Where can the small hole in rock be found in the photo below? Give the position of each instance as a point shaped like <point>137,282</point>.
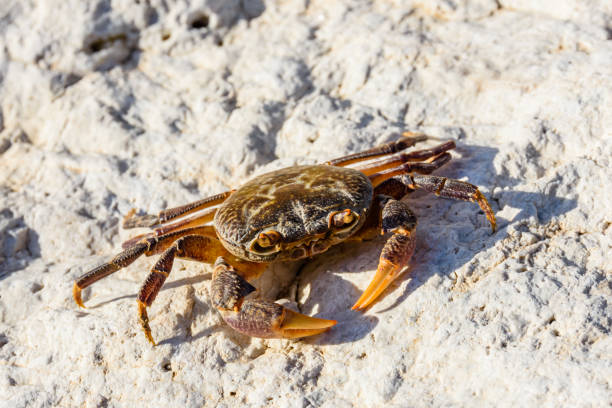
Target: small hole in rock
<point>165,36</point>
<point>36,287</point>
<point>232,393</point>
<point>200,21</point>
<point>166,367</point>
<point>96,46</point>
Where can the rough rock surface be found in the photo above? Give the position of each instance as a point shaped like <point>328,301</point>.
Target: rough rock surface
<point>110,105</point>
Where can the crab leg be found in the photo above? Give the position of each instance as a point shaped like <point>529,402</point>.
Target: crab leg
<point>148,246</point>
<point>190,222</point>
<point>120,261</point>
<point>194,247</point>
<point>440,186</point>
<point>399,219</point>
<point>148,220</point>
<point>409,139</point>
<point>450,188</point>
<point>258,317</point>
<point>417,155</point>
<point>420,167</point>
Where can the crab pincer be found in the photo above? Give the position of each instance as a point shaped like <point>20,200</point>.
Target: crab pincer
<point>398,219</point>
<point>258,317</point>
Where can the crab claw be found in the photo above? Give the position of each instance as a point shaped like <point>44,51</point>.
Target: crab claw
<point>262,318</point>
<point>385,274</point>
<point>395,256</point>
<point>296,325</point>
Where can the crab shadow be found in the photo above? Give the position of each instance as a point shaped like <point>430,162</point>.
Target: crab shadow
<point>192,280</point>
<point>443,246</point>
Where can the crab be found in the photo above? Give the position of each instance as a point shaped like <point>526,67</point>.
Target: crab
<point>290,214</point>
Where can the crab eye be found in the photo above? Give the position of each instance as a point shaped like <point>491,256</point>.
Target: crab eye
<point>268,238</point>
<point>342,219</point>
<point>265,242</point>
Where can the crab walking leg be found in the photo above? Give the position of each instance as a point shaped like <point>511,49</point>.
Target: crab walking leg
<point>149,220</point>
<point>417,155</point>
<point>399,219</point>
<point>120,261</point>
<point>416,175</point>
<point>258,317</point>
<point>148,246</point>
<point>451,188</point>
<point>190,222</point>
<point>409,139</point>
<point>419,167</point>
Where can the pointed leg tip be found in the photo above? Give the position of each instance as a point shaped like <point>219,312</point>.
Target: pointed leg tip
<point>76,294</point>
<point>418,136</point>
<point>144,322</point>
<point>493,222</point>
<point>150,338</point>
<point>147,332</point>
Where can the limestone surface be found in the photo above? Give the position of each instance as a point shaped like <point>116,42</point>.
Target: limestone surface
<point>108,105</point>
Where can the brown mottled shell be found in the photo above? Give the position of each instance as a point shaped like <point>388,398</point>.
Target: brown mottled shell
<point>295,201</point>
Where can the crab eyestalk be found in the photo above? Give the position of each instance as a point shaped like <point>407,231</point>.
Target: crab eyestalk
<point>268,239</point>
<point>265,243</point>
<point>341,219</point>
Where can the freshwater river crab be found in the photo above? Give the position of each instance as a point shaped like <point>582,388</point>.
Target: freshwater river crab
<point>290,214</point>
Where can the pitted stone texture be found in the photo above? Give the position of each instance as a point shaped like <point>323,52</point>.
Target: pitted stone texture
<point>106,106</point>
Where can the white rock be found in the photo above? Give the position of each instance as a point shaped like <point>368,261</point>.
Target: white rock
<point>108,106</point>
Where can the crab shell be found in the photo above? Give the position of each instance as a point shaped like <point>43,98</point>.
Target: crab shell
<point>296,202</point>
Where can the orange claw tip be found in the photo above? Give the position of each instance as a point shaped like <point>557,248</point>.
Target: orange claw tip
<point>298,333</point>
<point>296,325</point>
<point>368,295</point>
<point>294,320</point>
<point>76,294</point>
<point>382,279</point>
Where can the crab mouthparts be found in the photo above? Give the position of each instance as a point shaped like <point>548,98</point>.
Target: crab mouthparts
<point>310,247</point>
